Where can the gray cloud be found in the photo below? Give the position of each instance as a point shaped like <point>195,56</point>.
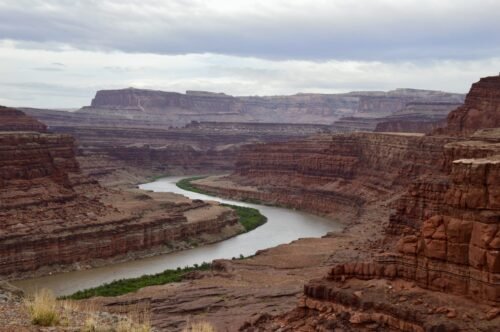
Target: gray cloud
<point>48,69</point>
<point>298,29</point>
<point>85,72</point>
<point>57,53</point>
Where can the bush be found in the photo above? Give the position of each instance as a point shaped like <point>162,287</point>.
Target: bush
<point>43,308</point>
<point>250,218</point>
<point>123,286</point>
<point>200,327</point>
<point>186,185</point>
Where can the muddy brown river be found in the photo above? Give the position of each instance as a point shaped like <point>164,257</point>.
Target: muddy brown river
<point>283,226</point>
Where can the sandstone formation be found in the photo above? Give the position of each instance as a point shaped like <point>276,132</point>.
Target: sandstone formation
<point>53,216</point>
<point>144,132</point>
<point>454,252</point>
<point>198,147</point>
<point>479,111</point>
<point>178,109</point>
<point>443,273</point>
<point>435,196</point>
<point>351,123</point>
<point>138,108</point>
<point>412,117</point>
<point>14,120</point>
<point>329,174</point>
<point>417,117</point>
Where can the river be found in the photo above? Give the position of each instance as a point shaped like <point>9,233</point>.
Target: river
<point>283,226</point>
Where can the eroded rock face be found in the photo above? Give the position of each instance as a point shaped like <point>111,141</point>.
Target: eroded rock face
<point>52,216</point>
<point>417,117</point>
<point>199,147</point>
<point>480,110</point>
<point>456,250</point>
<point>179,109</point>
<point>165,132</point>
<point>447,221</point>
<point>15,120</point>
<point>333,173</point>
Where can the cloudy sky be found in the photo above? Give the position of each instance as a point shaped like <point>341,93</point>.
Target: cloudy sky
<point>58,53</point>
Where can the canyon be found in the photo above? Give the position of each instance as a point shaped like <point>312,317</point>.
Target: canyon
<point>179,109</point>
<point>420,248</point>
<point>55,218</point>
<point>131,132</point>
<point>419,251</point>
<point>446,225</point>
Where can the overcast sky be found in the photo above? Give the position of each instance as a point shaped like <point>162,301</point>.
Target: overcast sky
<point>58,53</point>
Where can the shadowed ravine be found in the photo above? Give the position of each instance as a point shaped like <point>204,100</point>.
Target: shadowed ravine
<point>283,226</point>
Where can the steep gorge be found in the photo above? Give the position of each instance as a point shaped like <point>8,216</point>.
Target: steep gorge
<point>53,217</point>
<point>144,132</point>
<point>442,194</point>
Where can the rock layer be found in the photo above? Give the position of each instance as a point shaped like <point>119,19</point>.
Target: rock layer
<point>328,174</point>
<point>51,215</point>
<point>166,132</point>
<point>448,215</point>
<point>480,110</point>
<point>178,109</point>
<point>14,120</point>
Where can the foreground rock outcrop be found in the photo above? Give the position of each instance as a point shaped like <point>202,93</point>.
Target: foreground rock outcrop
<point>54,217</point>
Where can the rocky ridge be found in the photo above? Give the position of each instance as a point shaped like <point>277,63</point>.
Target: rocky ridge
<point>133,132</point>
<point>54,217</point>
<point>330,174</point>
<point>479,111</point>
<point>445,221</point>
<point>178,109</point>
<point>15,120</point>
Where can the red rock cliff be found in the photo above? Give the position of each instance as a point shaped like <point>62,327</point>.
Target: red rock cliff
<point>51,215</point>
<point>480,110</point>
<point>331,173</point>
<point>15,120</point>
<point>449,213</point>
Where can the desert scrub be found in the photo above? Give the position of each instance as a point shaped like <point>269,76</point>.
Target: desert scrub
<point>186,185</point>
<point>157,177</point>
<point>250,218</point>
<point>124,286</point>
<point>199,327</point>
<point>43,308</point>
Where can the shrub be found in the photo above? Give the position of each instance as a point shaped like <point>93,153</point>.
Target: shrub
<point>200,327</point>
<point>128,325</point>
<point>43,308</point>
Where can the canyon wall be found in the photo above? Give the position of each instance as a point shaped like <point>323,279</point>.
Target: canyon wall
<point>14,120</point>
<point>199,147</point>
<point>145,132</point>
<point>328,174</point>
<point>51,215</point>
<point>161,109</point>
<point>411,117</point>
<point>178,109</point>
<point>480,110</point>
<point>443,191</point>
<point>421,286</point>
<point>418,117</point>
